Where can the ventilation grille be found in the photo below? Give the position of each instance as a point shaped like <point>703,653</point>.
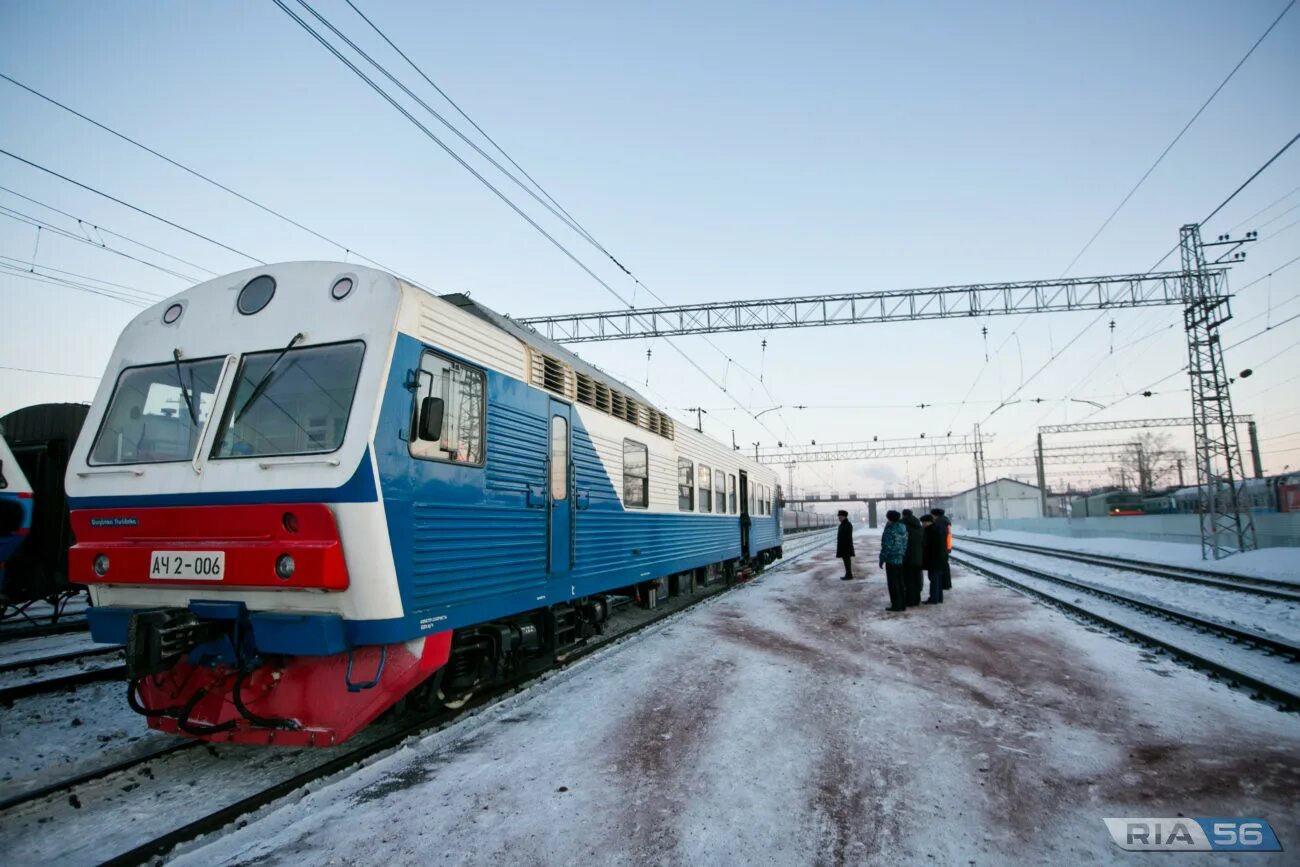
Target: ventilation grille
<point>553,375</point>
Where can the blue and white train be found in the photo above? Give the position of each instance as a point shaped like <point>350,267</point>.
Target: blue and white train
<point>306,491</point>
<point>15,505</point>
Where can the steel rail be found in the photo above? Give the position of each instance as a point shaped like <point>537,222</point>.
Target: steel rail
<point>93,774</point>
<point>74,623</point>
<point>54,684</point>
<point>18,665</point>
<point>1222,580</point>
<point>222,817</point>
<point>1263,640</point>
<point>1286,699</point>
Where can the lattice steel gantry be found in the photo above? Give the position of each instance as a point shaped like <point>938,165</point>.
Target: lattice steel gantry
<point>1225,527</point>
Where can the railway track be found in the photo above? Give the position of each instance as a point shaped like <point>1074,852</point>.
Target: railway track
<point>1260,663</point>
<point>317,765</point>
<point>1222,580</point>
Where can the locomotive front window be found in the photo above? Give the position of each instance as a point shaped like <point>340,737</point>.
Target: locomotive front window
<point>290,402</point>
<point>157,413</point>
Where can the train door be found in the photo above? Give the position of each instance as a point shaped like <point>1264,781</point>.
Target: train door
<point>560,489</point>
<point>744,514</point>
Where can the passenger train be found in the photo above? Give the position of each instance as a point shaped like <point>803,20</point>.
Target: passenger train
<point>15,505</point>
<point>306,491</point>
<point>39,440</point>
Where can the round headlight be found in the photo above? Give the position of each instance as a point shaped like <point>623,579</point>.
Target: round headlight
<point>256,294</point>
<point>172,313</point>
<point>101,565</point>
<point>284,567</point>
<point>341,289</point>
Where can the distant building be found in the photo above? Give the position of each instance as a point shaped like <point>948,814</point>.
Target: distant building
<point>1007,498</point>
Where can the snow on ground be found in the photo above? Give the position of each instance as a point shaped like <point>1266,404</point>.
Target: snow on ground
<point>796,722</point>
<point>1278,563</point>
<point>1277,617</point>
<point>44,738</point>
<point>45,646</point>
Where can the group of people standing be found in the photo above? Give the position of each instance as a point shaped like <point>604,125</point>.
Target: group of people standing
<point>907,546</point>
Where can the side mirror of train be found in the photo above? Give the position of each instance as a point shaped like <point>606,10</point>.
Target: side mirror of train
<point>430,427</point>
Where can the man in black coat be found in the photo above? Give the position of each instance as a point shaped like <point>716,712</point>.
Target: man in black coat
<point>912,579</point>
<point>941,521</point>
<point>844,545</point>
<point>934,556</point>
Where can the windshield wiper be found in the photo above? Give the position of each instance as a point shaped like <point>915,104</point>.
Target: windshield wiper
<point>180,380</point>
<point>266,379</point>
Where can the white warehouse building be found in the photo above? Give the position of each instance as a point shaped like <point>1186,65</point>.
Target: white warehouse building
<point>1007,498</point>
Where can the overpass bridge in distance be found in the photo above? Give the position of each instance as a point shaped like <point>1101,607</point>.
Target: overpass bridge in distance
<point>926,501</point>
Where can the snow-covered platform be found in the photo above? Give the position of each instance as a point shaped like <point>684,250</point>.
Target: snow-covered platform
<point>795,721</point>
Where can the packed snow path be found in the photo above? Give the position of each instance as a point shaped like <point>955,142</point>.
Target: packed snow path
<point>796,722</point>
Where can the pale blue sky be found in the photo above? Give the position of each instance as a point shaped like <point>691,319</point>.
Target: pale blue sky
<point>720,150</point>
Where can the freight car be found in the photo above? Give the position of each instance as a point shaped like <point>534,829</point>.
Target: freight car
<point>307,491</point>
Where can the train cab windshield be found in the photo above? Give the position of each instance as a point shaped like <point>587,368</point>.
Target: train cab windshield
<point>157,413</point>
<point>290,402</point>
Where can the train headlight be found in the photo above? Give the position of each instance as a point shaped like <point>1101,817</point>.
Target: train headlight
<point>284,567</point>
<point>101,565</point>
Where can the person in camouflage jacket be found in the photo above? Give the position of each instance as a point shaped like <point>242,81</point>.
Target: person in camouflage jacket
<point>893,550</point>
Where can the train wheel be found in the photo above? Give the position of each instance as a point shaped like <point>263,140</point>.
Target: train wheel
<point>457,702</point>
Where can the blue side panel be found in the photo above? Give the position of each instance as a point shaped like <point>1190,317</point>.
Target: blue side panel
<point>20,509</point>
<point>470,543</point>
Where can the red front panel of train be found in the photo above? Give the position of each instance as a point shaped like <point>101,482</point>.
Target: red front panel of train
<point>210,546</point>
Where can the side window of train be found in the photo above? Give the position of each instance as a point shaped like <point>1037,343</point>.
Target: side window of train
<point>731,493</point>
<point>447,420</point>
<point>720,491</point>
<point>685,485</point>
<point>636,475</point>
<point>706,489</point>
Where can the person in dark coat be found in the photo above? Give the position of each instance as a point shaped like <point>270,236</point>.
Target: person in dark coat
<point>893,550</point>
<point>912,579</point>
<point>945,525</point>
<point>844,545</point>
<point>934,556</point>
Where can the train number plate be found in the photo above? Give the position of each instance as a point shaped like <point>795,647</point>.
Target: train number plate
<point>188,565</point>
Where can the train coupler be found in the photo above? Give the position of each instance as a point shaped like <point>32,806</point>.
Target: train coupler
<point>157,637</point>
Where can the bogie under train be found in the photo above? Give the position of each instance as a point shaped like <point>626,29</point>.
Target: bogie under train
<point>307,491</point>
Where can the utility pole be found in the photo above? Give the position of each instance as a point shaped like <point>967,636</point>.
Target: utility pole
<point>981,488</point>
<point>789,478</point>
<point>1181,483</point>
<point>1042,477</point>
<point>699,418</point>
<point>1253,432</point>
<point>1225,527</point>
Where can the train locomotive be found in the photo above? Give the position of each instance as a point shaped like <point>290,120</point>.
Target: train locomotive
<point>308,491</point>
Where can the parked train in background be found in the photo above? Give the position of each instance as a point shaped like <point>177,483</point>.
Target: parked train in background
<point>1280,493</point>
<point>307,491</point>
<point>37,442</point>
<point>1110,504</point>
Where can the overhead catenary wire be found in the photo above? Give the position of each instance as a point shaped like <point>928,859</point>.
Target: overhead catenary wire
<point>479,176</point>
<point>1179,136</point>
<point>979,375</point>
<point>36,222</point>
<point>200,175</point>
<point>554,207</point>
<point>81,222</point>
<point>127,204</point>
